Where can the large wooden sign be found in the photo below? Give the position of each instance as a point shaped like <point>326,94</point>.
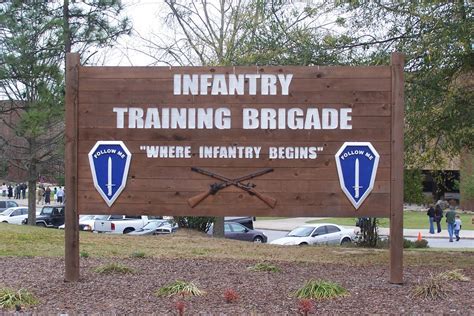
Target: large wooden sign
<point>279,141</point>
<point>233,122</point>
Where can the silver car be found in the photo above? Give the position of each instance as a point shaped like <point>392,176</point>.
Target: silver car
<point>156,227</point>
<point>324,233</point>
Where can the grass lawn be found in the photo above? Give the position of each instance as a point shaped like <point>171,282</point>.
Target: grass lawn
<point>411,219</point>
<point>30,241</point>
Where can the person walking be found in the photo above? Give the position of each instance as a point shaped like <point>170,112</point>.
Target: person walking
<point>23,190</point>
<point>450,220</point>
<point>438,216</point>
<point>40,194</point>
<point>431,216</point>
<point>60,195</point>
<point>4,189</point>
<point>457,226</point>
<point>10,191</point>
<point>47,196</point>
<point>17,192</point>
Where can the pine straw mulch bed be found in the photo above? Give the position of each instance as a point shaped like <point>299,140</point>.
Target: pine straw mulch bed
<point>265,293</point>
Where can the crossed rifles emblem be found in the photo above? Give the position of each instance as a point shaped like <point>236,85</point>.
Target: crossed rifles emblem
<point>225,182</point>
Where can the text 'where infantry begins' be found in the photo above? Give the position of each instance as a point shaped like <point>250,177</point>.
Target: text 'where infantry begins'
<point>231,152</point>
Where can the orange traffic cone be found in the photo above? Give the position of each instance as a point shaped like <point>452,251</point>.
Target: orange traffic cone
<point>419,236</point>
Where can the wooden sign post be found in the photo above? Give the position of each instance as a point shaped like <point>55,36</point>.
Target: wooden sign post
<point>215,141</point>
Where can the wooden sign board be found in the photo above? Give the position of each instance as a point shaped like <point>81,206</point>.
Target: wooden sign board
<point>284,123</point>
<point>290,119</point>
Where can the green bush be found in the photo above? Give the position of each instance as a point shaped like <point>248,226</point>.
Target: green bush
<point>84,254</point>
<point>319,289</point>
<point>435,287</point>
<point>10,298</point>
<point>179,288</point>
<point>423,243</point>
<point>138,254</point>
<point>408,243</point>
<point>413,186</point>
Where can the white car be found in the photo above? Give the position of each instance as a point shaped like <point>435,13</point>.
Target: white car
<point>86,222</point>
<point>324,233</point>
<point>14,215</point>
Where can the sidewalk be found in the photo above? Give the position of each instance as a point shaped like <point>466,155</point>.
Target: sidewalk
<point>288,224</point>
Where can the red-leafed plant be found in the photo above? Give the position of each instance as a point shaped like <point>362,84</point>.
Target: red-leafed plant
<point>230,296</point>
<point>180,307</point>
<point>305,306</point>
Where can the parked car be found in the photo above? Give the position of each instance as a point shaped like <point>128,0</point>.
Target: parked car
<point>240,232</point>
<point>156,227</point>
<point>51,216</point>
<point>247,221</point>
<point>86,222</point>
<point>121,224</point>
<point>7,204</point>
<point>324,233</point>
<point>14,215</point>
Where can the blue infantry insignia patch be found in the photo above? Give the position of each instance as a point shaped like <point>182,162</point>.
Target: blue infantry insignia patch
<point>109,162</point>
<point>357,164</point>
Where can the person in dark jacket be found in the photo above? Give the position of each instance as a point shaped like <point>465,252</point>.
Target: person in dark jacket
<point>438,216</point>
<point>47,196</point>
<point>10,191</point>
<point>431,216</point>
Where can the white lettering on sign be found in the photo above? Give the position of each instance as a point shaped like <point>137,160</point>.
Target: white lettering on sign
<point>231,84</point>
<point>296,118</point>
<point>231,152</point>
<point>174,118</point>
<point>220,118</point>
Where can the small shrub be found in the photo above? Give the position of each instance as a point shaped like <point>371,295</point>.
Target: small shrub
<point>408,243</point>
<point>264,267</point>
<point>305,306</point>
<point>181,288</point>
<point>138,254</point>
<point>422,243</point>
<point>11,299</point>
<point>84,254</point>
<point>434,288</point>
<point>180,306</point>
<point>114,268</point>
<point>318,289</point>
<point>230,296</point>
<point>454,275</point>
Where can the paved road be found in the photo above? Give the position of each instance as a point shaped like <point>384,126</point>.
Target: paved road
<point>432,242</point>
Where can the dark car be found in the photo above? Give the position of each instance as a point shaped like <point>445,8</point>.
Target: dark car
<point>247,221</point>
<point>7,204</point>
<point>240,232</point>
<point>50,216</point>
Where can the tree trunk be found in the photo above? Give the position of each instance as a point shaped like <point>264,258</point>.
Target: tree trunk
<point>219,227</point>
<point>32,177</point>
<point>66,27</point>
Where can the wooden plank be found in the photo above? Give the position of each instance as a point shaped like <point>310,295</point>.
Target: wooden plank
<point>375,206</point>
<point>71,261</point>
<point>297,85</point>
<point>383,148</point>
<point>363,72</point>
<point>283,173</point>
<point>234,135</point>
<point>222,198</point>
<point>396,198</point>
<point>141,161</point>
<point>106,118</point>
<point>270,186</point>
<point>89,110</point>
<point>121,98</point>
